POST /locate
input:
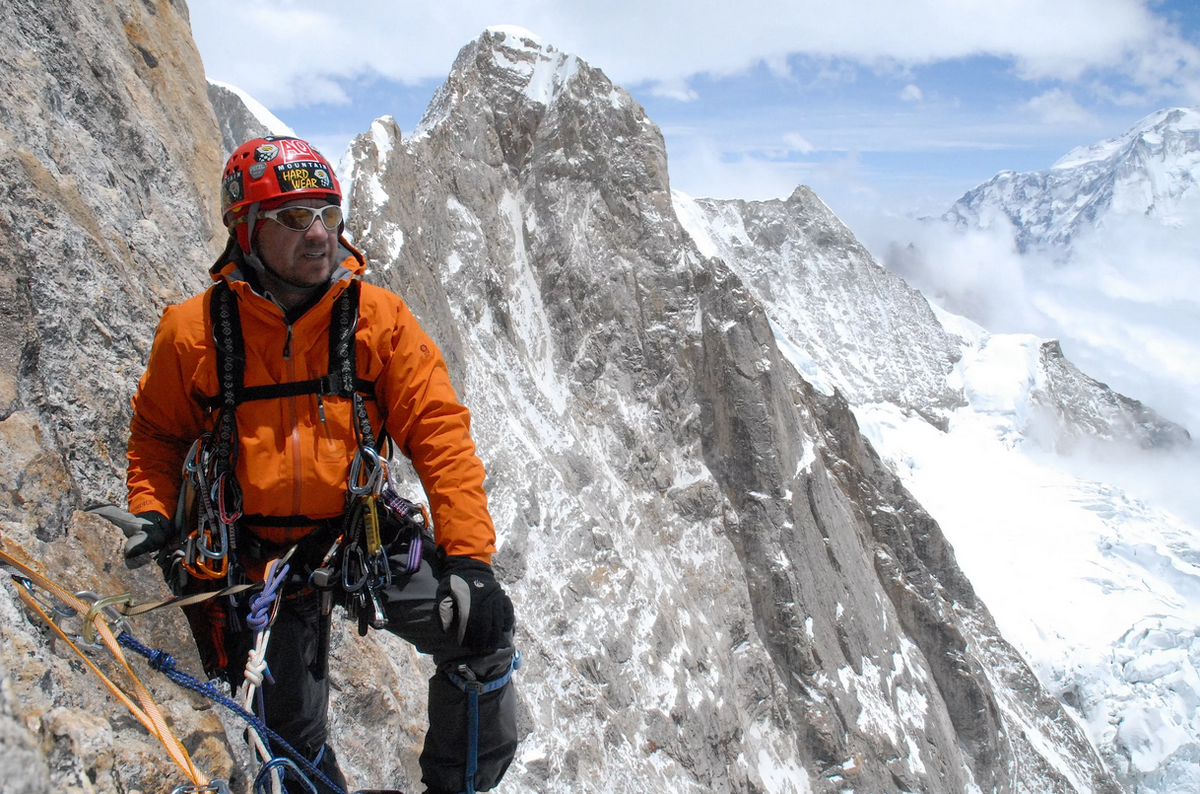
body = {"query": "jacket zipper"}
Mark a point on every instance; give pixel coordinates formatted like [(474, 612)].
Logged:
[(297, 468)]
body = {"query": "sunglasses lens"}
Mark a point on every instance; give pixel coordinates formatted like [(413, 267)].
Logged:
[(297, 218), (300, 219), (331, 216)]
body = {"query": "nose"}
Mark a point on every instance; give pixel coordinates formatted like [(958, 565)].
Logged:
[(317, 232)]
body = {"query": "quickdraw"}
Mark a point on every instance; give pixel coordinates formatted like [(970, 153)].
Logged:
[(367, 567)]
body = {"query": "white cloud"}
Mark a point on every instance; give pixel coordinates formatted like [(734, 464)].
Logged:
[(912, 93), (797, 143), (1126, 308), (276, 51), (676, 89), (1057, 107)]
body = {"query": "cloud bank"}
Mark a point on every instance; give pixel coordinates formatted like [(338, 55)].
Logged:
[(1126, 306), (299, 53)]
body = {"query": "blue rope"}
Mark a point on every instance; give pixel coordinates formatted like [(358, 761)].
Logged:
[(260, 606), (162, 661), (260, 782)]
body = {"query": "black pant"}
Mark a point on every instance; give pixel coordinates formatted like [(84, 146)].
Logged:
[(296, 704)]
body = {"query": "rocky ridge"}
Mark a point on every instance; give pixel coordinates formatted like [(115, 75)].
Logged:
[(241, 117), (647, 439), (849, 324)]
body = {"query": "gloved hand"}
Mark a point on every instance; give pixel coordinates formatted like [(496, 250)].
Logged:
[(149, 536), (146, 532), (470, 599)]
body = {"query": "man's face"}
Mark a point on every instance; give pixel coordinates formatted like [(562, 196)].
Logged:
[(302, 259)]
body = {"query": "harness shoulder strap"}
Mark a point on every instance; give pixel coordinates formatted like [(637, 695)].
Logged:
[(342, 380), (231, 365)]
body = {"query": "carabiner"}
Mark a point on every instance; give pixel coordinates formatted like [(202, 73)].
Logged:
[(352, 553), (219, 488), (381, 572), (369, 484), (108, 607), (214, 786), (206, 550), (191, 463)]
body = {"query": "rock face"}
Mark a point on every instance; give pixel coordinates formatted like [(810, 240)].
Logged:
[(1151, 170), (241, 117), (107, 213), (863, 330), (848, 324), (720, 587), (713, 571)]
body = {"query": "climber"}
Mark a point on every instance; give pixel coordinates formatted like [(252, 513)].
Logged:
[(277, 391)]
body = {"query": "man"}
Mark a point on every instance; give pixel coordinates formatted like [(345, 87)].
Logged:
[(269, 386)]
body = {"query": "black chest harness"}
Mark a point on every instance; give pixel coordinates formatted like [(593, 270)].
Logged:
[(375, 517)]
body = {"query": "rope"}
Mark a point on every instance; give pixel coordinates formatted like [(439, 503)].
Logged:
[(166, 665), (263, 609), (146, 711)]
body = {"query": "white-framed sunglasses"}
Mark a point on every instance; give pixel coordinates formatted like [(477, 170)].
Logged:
[(300, 219)]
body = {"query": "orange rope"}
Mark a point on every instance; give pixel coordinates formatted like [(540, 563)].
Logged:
[(148, 714)]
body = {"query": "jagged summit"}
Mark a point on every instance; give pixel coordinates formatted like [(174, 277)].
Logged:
[(241, 116), (505, 61), (1150, 170)]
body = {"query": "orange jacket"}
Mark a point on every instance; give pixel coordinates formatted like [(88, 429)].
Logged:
[(290, 460)]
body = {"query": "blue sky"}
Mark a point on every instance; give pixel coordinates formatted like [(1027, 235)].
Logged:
[(884, 109)]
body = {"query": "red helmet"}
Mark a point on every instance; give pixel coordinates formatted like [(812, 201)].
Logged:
[(273, 170)]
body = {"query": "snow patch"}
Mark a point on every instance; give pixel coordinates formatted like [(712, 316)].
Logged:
[(263, 116)]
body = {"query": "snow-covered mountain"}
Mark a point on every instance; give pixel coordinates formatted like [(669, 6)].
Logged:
[(1095, 587), (1151, 170), (241, 117), (724, 580), (529, 220)]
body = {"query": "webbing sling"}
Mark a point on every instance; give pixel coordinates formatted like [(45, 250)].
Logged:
[(466, 681)]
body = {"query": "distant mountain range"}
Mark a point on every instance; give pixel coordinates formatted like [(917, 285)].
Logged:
[(1151, 170)]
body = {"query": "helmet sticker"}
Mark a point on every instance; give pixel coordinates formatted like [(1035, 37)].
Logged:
[(231, 188), (266, 153), (296, 149), (256, 170), (304, 175)]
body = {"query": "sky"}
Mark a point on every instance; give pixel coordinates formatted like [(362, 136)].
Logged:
[(881, 107), (889, 111)]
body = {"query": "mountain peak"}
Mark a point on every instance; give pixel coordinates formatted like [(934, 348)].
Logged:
[(1151, 131), (1151, 170), (506, 60)]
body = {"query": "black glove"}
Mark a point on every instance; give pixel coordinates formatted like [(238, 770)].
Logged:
[(470, 598), (146, 532)]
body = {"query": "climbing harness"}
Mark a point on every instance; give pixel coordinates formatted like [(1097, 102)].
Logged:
[(375, 519)]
